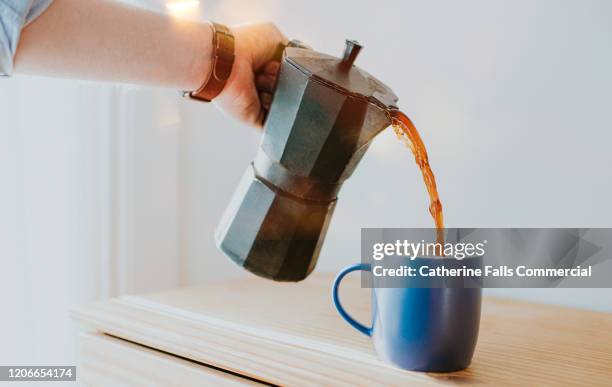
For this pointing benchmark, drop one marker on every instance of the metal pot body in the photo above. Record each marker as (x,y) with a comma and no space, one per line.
(314,137)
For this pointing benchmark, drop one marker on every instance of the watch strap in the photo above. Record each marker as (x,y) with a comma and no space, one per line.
(222,63)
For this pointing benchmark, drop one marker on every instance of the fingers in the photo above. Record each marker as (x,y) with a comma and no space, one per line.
(266,100)
(271,68)
(266,78)
(265,83)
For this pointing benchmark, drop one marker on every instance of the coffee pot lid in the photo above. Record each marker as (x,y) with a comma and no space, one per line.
(341,73)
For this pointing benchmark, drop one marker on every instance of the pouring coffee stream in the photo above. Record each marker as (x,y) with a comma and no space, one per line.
(324,115)
(408,133)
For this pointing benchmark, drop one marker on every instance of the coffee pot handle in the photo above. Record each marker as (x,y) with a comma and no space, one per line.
(280,49)
(336,286)
(278,57)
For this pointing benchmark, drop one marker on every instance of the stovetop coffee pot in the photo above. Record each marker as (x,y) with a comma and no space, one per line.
(324,114)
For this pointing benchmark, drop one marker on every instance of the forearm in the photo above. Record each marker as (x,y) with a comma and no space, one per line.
(109,41)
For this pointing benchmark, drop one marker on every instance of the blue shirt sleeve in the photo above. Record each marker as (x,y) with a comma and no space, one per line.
(14,15)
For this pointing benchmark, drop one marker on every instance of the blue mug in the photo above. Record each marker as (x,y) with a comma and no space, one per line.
(420,329)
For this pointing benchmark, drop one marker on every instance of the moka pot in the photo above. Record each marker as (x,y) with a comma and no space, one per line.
(324,114)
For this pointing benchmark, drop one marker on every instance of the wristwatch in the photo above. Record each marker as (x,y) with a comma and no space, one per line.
(222,63)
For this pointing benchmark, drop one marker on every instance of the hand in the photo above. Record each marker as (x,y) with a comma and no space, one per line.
(248,92)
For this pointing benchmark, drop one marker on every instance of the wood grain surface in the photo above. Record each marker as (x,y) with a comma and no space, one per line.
(107,361)
(290,334)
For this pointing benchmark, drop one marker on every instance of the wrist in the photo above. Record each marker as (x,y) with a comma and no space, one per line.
(201,65)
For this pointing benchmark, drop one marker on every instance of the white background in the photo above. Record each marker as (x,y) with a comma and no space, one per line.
(512,99)
(106,190)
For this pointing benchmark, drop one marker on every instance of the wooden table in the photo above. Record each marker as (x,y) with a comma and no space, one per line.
(253,330)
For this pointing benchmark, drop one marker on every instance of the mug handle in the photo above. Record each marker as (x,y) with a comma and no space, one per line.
(354,323)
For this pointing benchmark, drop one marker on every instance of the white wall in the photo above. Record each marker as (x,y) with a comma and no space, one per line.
(52,226)
(511,97)
(88,206)
(108,190)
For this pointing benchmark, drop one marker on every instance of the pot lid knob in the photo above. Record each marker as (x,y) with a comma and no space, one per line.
(351,50)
